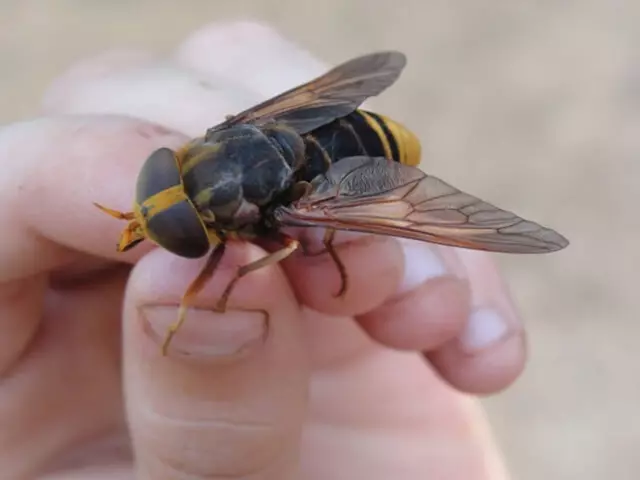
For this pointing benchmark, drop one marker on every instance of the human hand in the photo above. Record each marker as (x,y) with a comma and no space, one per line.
(359,388)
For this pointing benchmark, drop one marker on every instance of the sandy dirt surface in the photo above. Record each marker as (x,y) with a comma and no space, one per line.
(532,107)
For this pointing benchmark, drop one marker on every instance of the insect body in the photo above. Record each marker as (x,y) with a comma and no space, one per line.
(359,133)
(309,157)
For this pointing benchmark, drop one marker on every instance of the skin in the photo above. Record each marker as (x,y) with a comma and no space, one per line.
(373,386)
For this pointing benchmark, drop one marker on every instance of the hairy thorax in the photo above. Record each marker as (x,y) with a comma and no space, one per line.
(238,171)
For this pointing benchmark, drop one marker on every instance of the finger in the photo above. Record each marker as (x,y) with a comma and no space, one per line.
(221,50)
(64,394)
(53,169)
(490,351)
(156,90)
(371,391)
(24,300)
(48,210)
(430,307)
(373,268)
(60,91)
(449,304)
(229,399)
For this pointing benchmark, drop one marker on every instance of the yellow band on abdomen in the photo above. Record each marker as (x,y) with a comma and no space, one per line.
(409,148)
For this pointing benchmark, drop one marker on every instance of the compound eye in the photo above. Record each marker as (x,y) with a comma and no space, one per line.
(159,172)
(179,230)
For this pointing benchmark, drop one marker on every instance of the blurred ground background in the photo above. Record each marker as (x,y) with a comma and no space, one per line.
(532,105)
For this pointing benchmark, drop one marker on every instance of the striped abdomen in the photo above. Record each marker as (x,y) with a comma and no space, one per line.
(359,133)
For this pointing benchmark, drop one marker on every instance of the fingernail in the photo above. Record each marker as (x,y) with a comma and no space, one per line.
(485,328)
(421,263)
(204,332)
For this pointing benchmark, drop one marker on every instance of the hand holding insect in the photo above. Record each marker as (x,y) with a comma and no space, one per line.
(232,396)
(242,179)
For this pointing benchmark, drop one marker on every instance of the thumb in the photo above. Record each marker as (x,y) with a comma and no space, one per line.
(229,398)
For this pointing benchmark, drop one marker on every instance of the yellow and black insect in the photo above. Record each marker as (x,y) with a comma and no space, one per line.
(310,158)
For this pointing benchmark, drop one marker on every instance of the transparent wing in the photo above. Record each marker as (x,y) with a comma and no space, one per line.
(332,95)
(375,195)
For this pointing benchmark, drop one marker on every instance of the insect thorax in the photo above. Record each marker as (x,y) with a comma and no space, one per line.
(238,171)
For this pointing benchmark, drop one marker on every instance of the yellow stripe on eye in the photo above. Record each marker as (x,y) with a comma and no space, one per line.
(161,201)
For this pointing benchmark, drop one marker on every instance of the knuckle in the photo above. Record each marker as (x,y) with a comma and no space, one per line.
(211,449)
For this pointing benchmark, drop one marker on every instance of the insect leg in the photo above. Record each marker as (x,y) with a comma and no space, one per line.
(290,246)
(194,288)
(329,235)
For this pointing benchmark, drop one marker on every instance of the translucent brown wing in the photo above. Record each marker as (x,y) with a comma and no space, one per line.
(375,195)
(332,95)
